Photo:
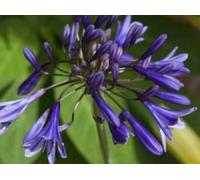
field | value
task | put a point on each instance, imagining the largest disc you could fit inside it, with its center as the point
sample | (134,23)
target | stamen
(70,93)
(60,84)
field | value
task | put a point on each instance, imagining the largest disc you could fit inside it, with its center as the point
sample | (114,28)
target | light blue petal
(37,128)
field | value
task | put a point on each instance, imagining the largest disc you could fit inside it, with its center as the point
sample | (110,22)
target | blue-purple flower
(29,83)
(96,59)
(106,110)
(46,135)
(129,33)
(143,134)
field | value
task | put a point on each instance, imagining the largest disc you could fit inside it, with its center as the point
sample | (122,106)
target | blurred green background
(81,140)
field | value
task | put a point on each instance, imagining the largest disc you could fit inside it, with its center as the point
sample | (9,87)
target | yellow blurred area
(185,145)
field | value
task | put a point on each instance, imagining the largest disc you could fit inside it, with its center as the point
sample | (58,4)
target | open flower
(45,135)
(11,110)
(165,117)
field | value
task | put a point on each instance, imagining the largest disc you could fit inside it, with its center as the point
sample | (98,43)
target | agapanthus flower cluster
(97,57)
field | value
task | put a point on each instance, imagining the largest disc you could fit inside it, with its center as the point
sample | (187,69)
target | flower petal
(160,119)
(155,46)
(173,98)
(4,127)
(34,148)
(62,150)
(108,113)
(145,137)
(31,58)
(36,129)
(28,85)
(100,20)
(125,60)
(51,151)
(120,134)
(162,80)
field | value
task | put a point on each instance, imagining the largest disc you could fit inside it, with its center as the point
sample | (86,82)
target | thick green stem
(102,137)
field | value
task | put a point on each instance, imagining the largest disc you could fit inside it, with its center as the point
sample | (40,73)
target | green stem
(103,143)
(102,137)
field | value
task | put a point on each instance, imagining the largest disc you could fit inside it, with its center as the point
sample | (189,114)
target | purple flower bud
(48,50)
(96,81)
(91,34)
(115,53)
(166,96)
(29,84)
(115,72)
(31,58)
(129,33)
(145,137)
(75,70)
(73,36)
(120,134)
(45,135)
(133,34)
(103,49)
(86,21)
(126,59)
(66,35)
(100,20)
(107,112)
(111,20)
(155,46)
(173,98)
(162,80)
(122,31)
